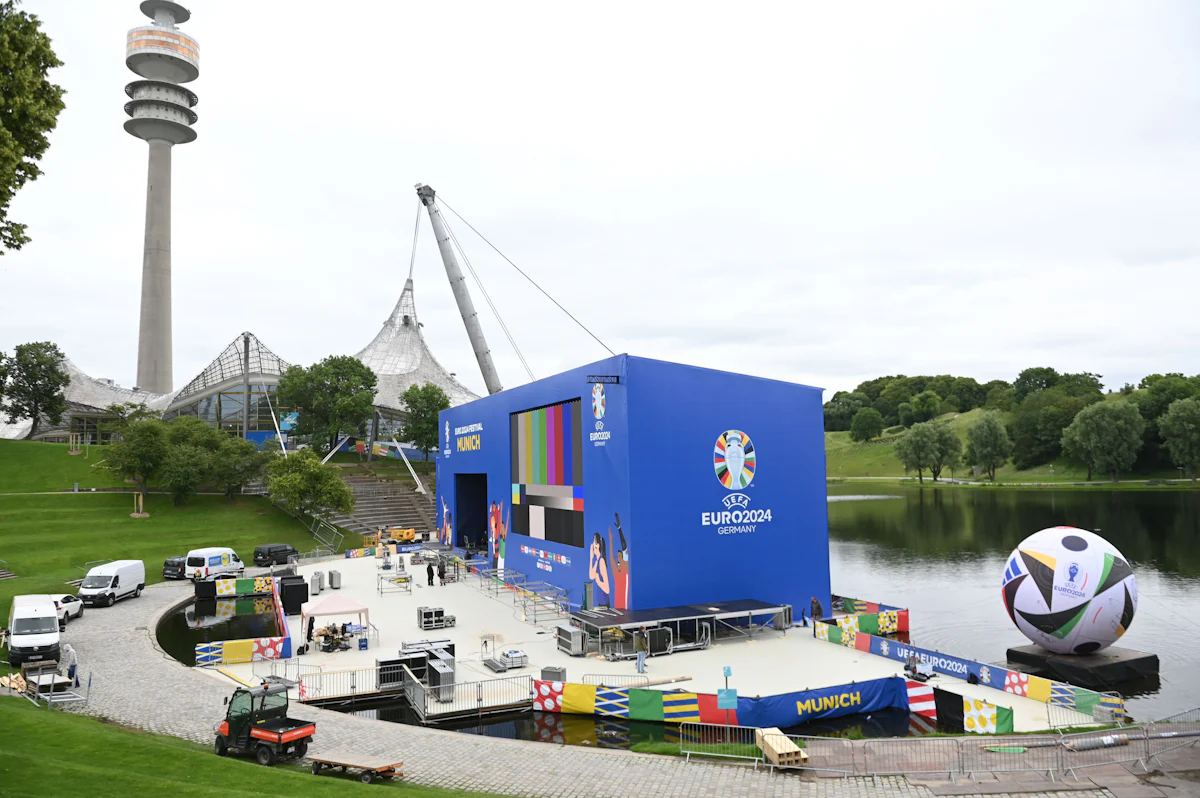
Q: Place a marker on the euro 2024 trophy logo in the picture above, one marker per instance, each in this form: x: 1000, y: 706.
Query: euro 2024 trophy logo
x: 735, y: 462
x: 598, y: 401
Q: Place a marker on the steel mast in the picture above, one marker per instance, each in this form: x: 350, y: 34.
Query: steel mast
x: 458, y: 284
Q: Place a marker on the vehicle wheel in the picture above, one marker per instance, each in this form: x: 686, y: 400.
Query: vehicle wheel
x: 220, y: 748
x: 80, y: 613
x: 137, y: 592
x: 264, y: 756
x: 301, y: 749
x: 316, y: 768
x: 112, y: 600
x: 366, y: 777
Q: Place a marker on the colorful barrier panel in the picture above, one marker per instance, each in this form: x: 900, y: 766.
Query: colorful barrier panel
x: 631, y: 703
x: 394, y: 548
x: 791, y: 709
x: 848, y: 631
x: 229, y: 652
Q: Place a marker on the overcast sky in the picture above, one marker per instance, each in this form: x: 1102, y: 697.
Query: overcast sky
x: 812, y: 192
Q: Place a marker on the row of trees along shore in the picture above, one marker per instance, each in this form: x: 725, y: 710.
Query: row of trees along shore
x: 1040, y: 416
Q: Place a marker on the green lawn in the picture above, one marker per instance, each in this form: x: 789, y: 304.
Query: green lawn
x: 32, y: 466
x: 47, y: 752
x: 43, y: 538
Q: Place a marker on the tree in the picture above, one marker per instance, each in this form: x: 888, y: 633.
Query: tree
x: 140, y: 453
x: 420, y: 425
x: 905, y: 414
x: 839, y: 411
x: 867, y: 424
x: 183, y: 470
x: 900, y: 389
x: 913, y: 450
x: 122, y: 414
x: 1038, y: 423
x: 1180, y: 430
x: 236, y: 463
x: 36, y: 376
x: 4, y: 368
x: 192, y: 431
x: 1106, y: 437
x: 334, y: 396
x: 988, y: 444
x: 947, y: 449
x: 969, y: 392
x: 1084, y: 383
x: 927, y: 405
x: 999, y: 398
x: 1032, y: 380
x: 29, y: 108
x: 302, y: 484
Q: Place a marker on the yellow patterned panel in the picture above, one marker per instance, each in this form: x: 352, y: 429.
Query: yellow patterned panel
x: 238, y: 651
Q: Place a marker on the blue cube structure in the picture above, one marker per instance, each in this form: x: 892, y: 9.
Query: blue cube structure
x: 660, y: 484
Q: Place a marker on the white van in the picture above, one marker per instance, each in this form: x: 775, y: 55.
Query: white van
x: 32, y: 630
x: 114, y: 580
x: 212, y: 562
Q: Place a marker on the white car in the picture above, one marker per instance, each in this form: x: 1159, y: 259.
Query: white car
x: 69, y: 607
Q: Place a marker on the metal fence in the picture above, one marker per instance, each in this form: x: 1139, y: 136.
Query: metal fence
x: 934, y: 756
x: 477, y: 698
x: 820, y: 754
x: 286, y: 669
x: 1171, y: 734
x: 616, y: 680
x: 713, y: 740
x: 348, y: 683
x: 1054, y: 755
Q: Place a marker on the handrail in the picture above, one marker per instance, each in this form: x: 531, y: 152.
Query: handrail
x: 87, y: 566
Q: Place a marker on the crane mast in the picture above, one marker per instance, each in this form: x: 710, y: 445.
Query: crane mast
x: 458, y: 285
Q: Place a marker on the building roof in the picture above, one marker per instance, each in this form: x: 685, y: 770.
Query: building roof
x: 400, y: 357
x: 229, y: 366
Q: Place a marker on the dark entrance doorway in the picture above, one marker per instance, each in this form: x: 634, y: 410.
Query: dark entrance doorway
x: 470, y: 509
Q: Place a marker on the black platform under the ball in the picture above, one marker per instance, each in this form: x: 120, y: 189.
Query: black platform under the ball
x: 1103, y: 670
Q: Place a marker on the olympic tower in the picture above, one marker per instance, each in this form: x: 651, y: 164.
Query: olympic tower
x: 160, y: 112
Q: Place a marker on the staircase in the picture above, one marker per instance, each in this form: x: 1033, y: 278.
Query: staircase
x: 4, y: 572
x: 385, y: 503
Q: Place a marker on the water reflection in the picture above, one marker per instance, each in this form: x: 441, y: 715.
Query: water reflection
x: 941, y: 552
x: 210, y: 620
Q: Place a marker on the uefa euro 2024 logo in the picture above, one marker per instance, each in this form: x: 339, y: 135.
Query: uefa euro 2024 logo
x: 734, y: 459
x: 598, y: 401
x: 735, y: 462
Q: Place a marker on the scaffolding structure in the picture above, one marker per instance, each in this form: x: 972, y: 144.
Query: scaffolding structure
x: 542, y: 601
x: 396, y: 582
x: 497, y: 580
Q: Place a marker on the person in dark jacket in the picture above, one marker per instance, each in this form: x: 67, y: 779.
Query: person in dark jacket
x: 429, y: 573
x: 442, y: 572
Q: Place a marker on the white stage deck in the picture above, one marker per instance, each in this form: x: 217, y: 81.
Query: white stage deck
x: 769, y: 664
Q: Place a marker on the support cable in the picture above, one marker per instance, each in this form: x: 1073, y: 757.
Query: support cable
x: 442, y: 200
x: 412, y: 261
x: 487, y: 298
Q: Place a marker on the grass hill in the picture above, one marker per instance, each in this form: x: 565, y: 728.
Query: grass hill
x: 44, y: 538
x: 32, y: 466
x: 61, y: 753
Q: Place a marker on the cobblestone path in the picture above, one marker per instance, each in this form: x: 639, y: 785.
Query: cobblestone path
x: 136, y: 684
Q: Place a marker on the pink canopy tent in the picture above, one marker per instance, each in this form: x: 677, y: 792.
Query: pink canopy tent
x: 334, y: 605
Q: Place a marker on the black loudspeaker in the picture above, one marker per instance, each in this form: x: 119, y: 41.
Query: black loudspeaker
x: 659, y: 639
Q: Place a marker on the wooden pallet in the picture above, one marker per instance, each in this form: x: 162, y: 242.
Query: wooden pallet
x: 779, y: 749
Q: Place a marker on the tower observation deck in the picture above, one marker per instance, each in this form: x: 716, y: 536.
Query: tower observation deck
x: 160, y: 112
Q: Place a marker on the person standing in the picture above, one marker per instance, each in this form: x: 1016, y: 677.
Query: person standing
x: 641, y: 644
x: 429, y: 573
x: 71, y: 661
x: 442, y: 572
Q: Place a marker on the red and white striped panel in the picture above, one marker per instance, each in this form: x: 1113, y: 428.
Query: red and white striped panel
x: 919, y: 726
x: 920, y: 700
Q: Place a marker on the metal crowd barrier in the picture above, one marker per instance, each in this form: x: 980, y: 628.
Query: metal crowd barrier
x: 824, y: 754
x: 616, y: 680
x: 1161, y: 737
x: 1106, y: 747
x: 933, y: 756
x: 1010, y: 754
x: 711, y: 739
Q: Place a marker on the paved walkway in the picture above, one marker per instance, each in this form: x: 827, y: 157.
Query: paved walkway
x: 138, y: 685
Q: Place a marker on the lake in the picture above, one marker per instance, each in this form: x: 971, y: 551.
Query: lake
x: 941, y: 552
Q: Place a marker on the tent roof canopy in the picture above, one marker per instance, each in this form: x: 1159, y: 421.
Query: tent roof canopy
x: 334, y: 605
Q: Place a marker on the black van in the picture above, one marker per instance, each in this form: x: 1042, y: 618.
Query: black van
x: 273, y: 554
